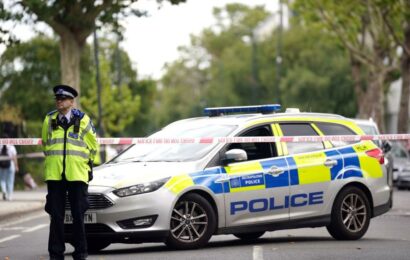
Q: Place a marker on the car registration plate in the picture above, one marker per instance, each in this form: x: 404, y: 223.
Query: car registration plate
x: 88, y: 218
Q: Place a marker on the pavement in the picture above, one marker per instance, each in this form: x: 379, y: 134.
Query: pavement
x: 23, y: 202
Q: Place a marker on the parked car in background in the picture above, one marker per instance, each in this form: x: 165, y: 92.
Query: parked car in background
x: 401, y: 169
x: 370, y: 128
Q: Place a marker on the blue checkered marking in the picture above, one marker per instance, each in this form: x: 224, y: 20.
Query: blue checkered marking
x: 351, y: 164
x: 279, y: 181
x: 293, y: 171
x: 247, y: 180
x: 208, y: 177
x: 337, y: 169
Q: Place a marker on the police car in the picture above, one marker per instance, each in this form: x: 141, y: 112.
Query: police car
x: 182, y: 194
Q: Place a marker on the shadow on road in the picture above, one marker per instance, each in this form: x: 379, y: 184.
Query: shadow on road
x: 234, y: 243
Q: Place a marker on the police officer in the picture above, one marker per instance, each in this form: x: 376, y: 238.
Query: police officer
x: 69, y: 144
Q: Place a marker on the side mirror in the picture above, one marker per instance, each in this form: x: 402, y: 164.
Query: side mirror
x: 386, y: 146
x: 234, y: 155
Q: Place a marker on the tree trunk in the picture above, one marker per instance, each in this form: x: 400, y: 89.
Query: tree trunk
x: 378, y: 100
x: 70, y: 51
x: 403, y: 121
x: 371, y: 104
x: 355, y: 66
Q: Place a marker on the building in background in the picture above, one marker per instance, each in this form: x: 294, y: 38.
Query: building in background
x: 392, y: 107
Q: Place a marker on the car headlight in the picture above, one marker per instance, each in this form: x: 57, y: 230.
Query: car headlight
x: 140, y: 188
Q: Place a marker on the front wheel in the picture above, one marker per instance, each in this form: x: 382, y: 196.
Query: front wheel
x: 193, y: 221
x: 350, y: 215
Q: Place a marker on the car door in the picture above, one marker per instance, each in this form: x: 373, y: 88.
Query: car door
x: 310, y: 167
x: 250, y: 195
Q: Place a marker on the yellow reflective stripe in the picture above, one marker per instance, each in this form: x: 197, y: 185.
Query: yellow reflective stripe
x: 69, y: 152
x: 370, y: 166
x: 248, y: 167
x: 50, y: 128
x: 179, y: 183
x: 278, y: 144
x: 327, y: 143
x: 249, y: 188
x: 311, y: 168
x: 85, y: 131
x: 284, y: 146
x: 70, y: 141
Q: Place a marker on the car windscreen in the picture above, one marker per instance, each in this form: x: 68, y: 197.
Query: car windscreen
x: 176, y: 152
x: 368, y: 129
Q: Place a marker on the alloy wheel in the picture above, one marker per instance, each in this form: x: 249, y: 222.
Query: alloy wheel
x: 354, y: 212
x: 189, y: 221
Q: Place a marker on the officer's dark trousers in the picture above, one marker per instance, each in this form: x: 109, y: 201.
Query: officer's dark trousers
x: 55, y: 207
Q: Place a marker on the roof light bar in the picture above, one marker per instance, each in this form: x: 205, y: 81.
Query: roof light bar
x: 264, y: 109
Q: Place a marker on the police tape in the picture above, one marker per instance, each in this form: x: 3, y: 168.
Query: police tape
x: 214, y: 140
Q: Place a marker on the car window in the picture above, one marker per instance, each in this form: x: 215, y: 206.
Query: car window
x: 180, y: 151
x: 300, y: 129
x: 371, y: 130
x: 399, y: 152
x: 256, y: 151
x: 335, y: 129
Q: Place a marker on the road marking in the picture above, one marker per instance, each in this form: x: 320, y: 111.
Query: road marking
x: 35, y: 228
x: 12, y: 228
x: 257, y: 253
x: 9, y: 238
x: 18, y: 221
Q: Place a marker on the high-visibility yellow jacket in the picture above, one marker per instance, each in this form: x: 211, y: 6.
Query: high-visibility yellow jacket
x: 68, y: 151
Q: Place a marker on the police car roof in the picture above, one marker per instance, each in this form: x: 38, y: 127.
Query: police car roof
x: 245, y: 119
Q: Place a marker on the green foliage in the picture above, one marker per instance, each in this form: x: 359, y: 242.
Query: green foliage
x: 77, y: 17
x: 225, y: 65
x: 316, y: 73
x: 143, y: 123
x: 29, y: 70
x: 119, y: 107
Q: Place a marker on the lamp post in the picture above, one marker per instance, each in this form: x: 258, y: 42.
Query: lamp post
x: 98, y: 80
x: 278, y: 59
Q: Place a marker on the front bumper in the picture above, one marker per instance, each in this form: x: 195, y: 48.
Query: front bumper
x: 110, y: 220
x: 403, y: 182
x: 102, y: 231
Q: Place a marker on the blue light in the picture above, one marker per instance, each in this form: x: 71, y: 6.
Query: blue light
x: 264, y: 109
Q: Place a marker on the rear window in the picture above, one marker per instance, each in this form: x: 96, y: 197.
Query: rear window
x: 300, y: 129
x: 335, y: 129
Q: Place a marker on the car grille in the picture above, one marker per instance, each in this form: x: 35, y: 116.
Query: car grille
x: 96, y: 201
x: 90, y: 229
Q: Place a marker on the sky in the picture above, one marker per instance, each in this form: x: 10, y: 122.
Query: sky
x: 152, y: 41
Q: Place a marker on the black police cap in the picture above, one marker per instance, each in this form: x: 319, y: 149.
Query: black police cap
x: 65, y: 90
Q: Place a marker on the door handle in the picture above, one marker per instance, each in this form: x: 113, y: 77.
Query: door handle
x: 274, y: 171
x: 330, y: 163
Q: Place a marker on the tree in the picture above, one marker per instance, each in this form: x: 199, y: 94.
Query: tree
x: 73, y: 22
x: 315, y: 72
x: 120, y: 105
x: 396, y: 16
x: 29, y: 70
x: 360, y: 28
x: 218, y: 69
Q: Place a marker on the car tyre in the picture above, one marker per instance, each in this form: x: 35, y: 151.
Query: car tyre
x: 249, y: 236
x: 350, y: 217
x: 193, y: 222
